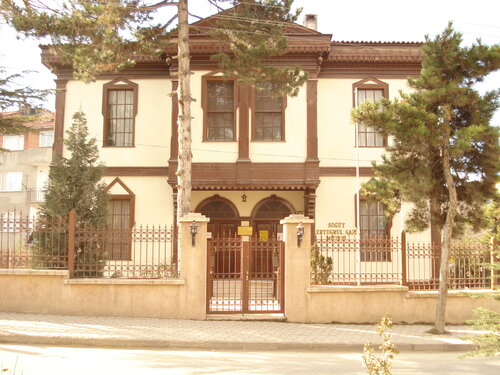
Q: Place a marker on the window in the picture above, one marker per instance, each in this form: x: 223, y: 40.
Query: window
x: 119, y: 110
x: 219, y: 105
x: 268, y: 115
x: 375, y: 245
x: 120, y: 223
x: 367, y: 137
x: 13, y: 142
x: 11, y: 181
x: 46, y: 138
x: 369, y: 90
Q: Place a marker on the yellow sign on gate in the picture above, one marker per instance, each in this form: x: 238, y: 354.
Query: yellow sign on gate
x: 245, y: 231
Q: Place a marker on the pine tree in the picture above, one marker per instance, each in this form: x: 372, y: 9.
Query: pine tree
x: 102, y: 36
x: 13, y: 96
x: 444, y: 155
x: 75, y: 184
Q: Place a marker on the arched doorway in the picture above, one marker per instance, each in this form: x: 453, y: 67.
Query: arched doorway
x: 267, y: 214
x: 224, y: 220
x: 223, y: 214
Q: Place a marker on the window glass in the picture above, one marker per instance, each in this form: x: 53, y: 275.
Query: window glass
x: 46, y: 138
x: 220, y: 111
x: 120, y: 118
x: 374, y: 243
x: 119, y: 222
x: 367, y: 137
x: 268, y: 114
x: 11, y: 181
x: 13, y: 142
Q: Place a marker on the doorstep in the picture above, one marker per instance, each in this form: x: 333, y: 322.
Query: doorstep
x: 248, y: 317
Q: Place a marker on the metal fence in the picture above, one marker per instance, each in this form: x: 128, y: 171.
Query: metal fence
x: 393, y: 261
x: 33, y: 243
x: 141, y: 252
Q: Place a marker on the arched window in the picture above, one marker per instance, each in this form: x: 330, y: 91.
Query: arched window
x: 272, y: 209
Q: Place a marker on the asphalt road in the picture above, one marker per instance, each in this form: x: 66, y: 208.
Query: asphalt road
x: 40, y: 360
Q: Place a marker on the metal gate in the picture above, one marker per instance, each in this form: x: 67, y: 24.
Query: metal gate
x: 245, y: 276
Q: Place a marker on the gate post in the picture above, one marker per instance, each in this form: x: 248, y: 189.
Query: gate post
x: 297, y: 265
x: 193, y: 265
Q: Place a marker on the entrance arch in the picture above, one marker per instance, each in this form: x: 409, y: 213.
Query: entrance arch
x: 267, y: 214
x: 223, y: 214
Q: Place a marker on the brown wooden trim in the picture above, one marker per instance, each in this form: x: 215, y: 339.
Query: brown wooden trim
x: 136, y: 171
x: 346, y: 171
x: 243, y: 143
x: 118, y: 181
x: 284, y: 103
x: 115, y: 85
x: 258, y: 176
x: 174, y: 141
x: 57, y: 148
x: 204, y: 95
x: 272, y: 198
x: 312, y: 119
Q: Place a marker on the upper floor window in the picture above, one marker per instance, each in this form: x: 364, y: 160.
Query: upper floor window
x: 369, y: 90
x: 11, y: 181
x: 219, y: 105
x: 13, y: 142
x: 46, y: 138
x: 268, y: 115
x: 119, y: 110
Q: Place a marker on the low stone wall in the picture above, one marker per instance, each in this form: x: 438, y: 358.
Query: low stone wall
x: 51, y: 292
x: 326, y: 304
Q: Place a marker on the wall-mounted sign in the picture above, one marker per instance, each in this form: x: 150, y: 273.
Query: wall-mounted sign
x: 336, y: 231
x: 245, y: 231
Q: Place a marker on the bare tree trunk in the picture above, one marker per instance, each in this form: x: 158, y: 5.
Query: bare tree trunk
x: 184, y: 124
x: 436, y: 232
x: 448, y: 225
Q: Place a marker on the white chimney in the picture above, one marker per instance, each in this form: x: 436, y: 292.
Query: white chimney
x: 311, y: 21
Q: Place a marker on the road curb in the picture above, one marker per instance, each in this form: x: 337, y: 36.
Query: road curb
x: 218, y: 345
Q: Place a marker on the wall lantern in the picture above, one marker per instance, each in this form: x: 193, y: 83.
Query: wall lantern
x: 194, y: 230
x: 244, y: 197
x: 300, y: 234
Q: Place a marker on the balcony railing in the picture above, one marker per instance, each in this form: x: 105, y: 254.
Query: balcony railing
x: 35, y: 195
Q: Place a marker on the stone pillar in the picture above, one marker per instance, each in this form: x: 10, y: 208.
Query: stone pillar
x: 297, y: 267
x: 193, y: 263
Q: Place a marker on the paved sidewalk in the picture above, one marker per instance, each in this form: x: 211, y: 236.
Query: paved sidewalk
x: 220, y: 334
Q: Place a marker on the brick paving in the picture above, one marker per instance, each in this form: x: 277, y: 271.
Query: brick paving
x: 216, y: 334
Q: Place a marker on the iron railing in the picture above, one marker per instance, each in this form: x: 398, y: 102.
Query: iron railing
x: 393, y: 261
x: 35, y: 195
x: 142, y: 252
x: 33, y: 243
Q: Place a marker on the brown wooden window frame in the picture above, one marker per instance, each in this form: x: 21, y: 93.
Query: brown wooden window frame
x: 118, y: 84
x: 204, y: 103
x: 130, y: 196
x: 385, y: 253
x: 369, y: 83
x: 253, y: 98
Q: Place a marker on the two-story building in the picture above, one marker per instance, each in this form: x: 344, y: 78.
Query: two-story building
x: 256, y: 158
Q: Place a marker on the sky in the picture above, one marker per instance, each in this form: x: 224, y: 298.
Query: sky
x: 360, y: 20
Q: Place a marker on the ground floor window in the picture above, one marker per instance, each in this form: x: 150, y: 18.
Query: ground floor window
x: 119, y: 221
x: 374, y: 242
